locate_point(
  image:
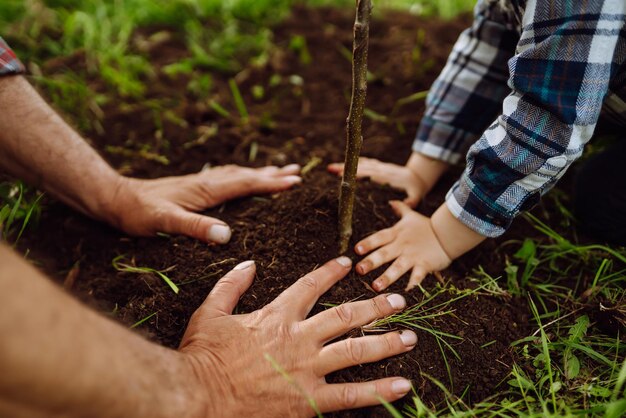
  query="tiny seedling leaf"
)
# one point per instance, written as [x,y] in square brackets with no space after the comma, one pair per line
[527,250]
[572,366]
[141,321]
[239,103]
[599,391]
[390,408]
[616,409]
[127,268]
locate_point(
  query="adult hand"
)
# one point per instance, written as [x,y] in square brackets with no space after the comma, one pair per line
[272,362]
[411,242]
[398,176]
[145,207]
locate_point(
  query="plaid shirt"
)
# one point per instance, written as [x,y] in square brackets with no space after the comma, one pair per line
[522,90]
[9,64]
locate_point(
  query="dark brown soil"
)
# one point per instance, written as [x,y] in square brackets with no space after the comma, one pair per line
[291,233]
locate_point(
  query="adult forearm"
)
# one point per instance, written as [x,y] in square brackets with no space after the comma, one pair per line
[59,358]
[38,146]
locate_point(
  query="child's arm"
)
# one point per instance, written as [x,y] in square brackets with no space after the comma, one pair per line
[417,243]
[416,178]
[462,102]
[559,79]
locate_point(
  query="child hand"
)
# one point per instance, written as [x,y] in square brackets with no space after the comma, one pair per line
[411,242]
[398,176]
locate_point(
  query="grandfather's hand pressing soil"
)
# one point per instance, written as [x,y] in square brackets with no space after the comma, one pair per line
[145,207]
[59,358]
[272,362]
[36,145]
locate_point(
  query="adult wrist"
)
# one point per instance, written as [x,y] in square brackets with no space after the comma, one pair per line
[197,396]
[114,200]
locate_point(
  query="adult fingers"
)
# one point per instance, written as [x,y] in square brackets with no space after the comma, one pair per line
[291,169]
[204,228]
[376,259]
[337,321]
[417,276]
[300,297]
[354,351]
[357,395]
[393,273]
[377,239]
[226,293]
[256,184]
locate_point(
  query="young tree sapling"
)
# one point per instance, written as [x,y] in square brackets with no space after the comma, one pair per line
[353,123]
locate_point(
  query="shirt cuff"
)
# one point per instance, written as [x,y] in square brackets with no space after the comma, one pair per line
[476,211]
[9,63]
[438,140]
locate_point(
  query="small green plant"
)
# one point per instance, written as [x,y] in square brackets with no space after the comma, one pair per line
[240,104]
[129,267]
[17,209]
[142,320]
[421,316]
[298,45]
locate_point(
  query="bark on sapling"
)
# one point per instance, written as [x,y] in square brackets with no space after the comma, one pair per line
[353,123]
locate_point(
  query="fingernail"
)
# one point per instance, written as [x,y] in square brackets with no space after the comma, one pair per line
[344,261]
[293,179]
[249,263]
[219,233]
[359,249]
[360,268]
[409,338]
[400,386]
[396,301]
[291,167]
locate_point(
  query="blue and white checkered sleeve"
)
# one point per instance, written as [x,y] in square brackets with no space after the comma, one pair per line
[468,94]
[9,63]
[567,56]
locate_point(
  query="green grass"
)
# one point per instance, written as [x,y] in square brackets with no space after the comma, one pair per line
[18,208]
[129,267]
[565,367]
[434,307]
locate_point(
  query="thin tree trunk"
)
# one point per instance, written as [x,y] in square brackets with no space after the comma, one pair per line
[353,123]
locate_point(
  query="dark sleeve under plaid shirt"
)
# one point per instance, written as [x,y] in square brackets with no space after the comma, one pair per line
[523,89]
[9,64]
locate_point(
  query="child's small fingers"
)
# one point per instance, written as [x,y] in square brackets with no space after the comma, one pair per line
[417,276]
[377,239]
[375,260]
[393,273]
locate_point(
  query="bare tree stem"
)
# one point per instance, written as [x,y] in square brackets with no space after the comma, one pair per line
[353,123]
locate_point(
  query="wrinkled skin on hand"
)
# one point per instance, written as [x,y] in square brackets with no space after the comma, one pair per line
[236,358]
[411,244]
[145,207]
